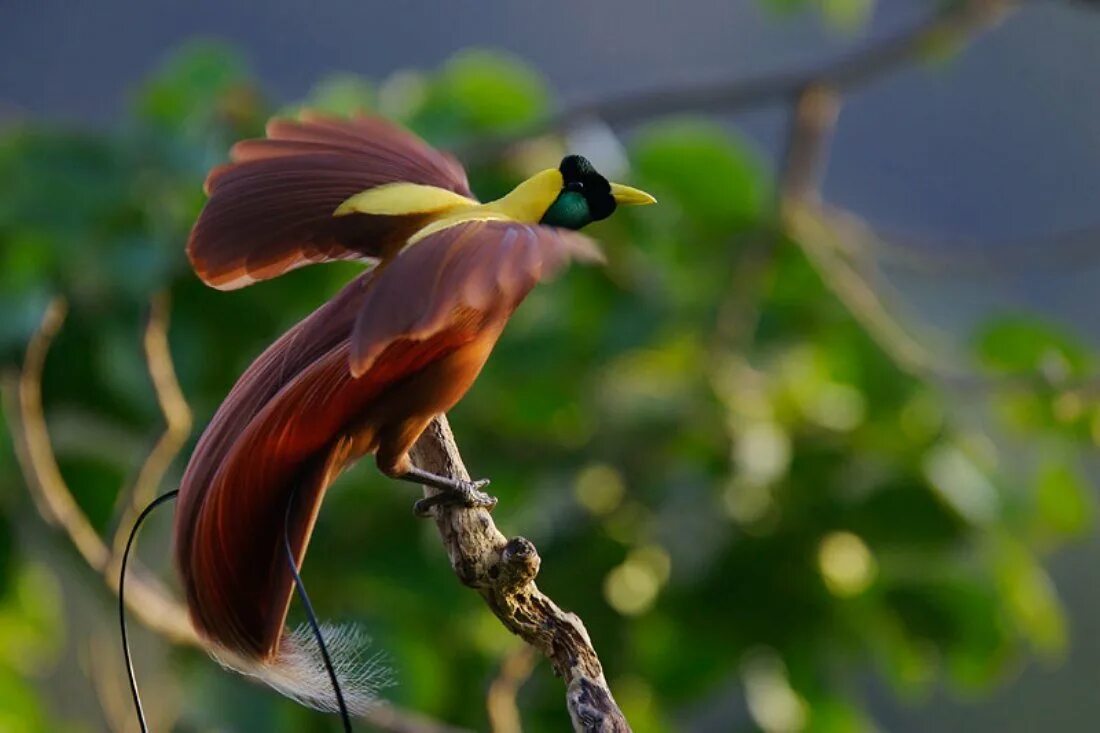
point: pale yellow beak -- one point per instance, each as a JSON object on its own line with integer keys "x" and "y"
{"x": 630, "y": 196}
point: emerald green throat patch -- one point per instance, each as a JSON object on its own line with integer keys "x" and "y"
{"x": 569, "y": 210}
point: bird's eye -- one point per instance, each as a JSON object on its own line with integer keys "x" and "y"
{"x": 574, "y": 186}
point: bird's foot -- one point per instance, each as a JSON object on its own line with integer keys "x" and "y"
{"x": 467, "y": 494}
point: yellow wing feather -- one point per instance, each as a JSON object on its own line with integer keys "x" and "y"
{"x": 525, "y": 204}
{"x": 399, "y": 199}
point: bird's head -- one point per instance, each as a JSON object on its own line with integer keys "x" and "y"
{"x": 586, "y": 196}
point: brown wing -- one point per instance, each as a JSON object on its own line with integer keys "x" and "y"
{"x": 299, "y": 348}
{"x": 471, "y": 273}
{"x": 270, "y": 209}
{"x": 229, "y": 545}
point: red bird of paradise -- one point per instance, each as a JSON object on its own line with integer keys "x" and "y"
{"x": 368, "y": 370}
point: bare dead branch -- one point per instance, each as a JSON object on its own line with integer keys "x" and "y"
{"x": 813, "y": 118}
{"x": 829, "y": 237}
{"x": 1064, "y": 252}
{"x": 503, "y": 572}
{"x": 177, "y": 422}
{"x": 817, "y": 234}
{"x": 35, "y": 451}
{"x": 148, "y": 601}
{"x": 822, "y": 233}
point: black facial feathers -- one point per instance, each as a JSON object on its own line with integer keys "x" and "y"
{"x": 579, "y": 175}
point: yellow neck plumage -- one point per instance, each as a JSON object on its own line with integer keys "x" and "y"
{"x": 526, "y": 203}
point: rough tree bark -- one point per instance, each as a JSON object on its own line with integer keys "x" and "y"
{"x": 503, "y": 572}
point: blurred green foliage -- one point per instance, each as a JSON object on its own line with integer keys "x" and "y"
{"x": 739, "y": 492}
{"x": 846, "y": 16}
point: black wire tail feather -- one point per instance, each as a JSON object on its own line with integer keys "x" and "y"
{"x": 162, "y": 499}
{"x": 298, "y": 584}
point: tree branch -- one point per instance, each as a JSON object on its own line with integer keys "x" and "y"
{"x": 503, "y": 572}
{"x": 813, "y": 120}
{"x": 820, "y": 231}
{"x": 1068, "y": 251}
{"x": 962, "y": 19}
{"x": 177, "y": 419}
{"x": 500, "y": 702}
{"x": 827, "y": 235}
{"x": 148, "y": 600}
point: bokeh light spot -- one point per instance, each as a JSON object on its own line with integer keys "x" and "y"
{"x": 838, "y": 407}
{"x": 846, "y": 564}
{"x": 763, "y": 452}
{"x": 772, "y": 702}
{"x": 631, "y": 588}
{"x": 599, "y": 488}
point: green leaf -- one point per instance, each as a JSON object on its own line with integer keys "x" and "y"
{"x": 1025, "y": 344}
{"x": 493, "y": 91}
{"x": 836, "y": 715}
{"x": 20, "y": 709}
{"x": 712, "y": 175}
{"x": 1030, "y": 598}
{"x": 341, "y": 95}
{"x": 197, "y": 82}
{"x": 785, "y": 7}
{"x": 31, "y": 631}
{"x": 847, "y": 16}
{"x": 1063, "y": 500}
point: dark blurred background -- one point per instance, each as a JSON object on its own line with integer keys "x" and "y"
{"x": 691, "y": 492}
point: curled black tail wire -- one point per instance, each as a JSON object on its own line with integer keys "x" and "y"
{"x": 163, "y": 498}
{"x": 298, "y": 584}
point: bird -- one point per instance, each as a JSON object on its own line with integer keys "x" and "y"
{"x": 363, "y": 374}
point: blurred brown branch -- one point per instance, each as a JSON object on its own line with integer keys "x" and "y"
{"x": 1063, "y": 252}
{"x": 503, "y": 572}
{"x": 500, "y": 702}
{"x": 147, "y": 599}
{"x": 960, "y": 20}
{"x": 177, "y": 419}
{"x": 830, "y": 236}
{"x": 817, "y": 231}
